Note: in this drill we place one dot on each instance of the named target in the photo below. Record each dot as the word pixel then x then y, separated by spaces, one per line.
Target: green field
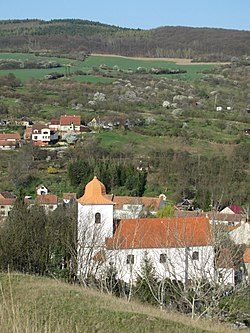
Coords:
pixel 86 66
pixel 33 304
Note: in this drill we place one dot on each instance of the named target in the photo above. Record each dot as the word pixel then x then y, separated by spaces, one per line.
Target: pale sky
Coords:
pixel 145 14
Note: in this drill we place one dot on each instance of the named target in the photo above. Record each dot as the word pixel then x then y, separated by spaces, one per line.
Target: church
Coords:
pixel 180 248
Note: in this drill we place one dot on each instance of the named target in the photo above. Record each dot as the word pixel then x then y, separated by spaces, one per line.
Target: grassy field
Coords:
pixel 86 66
pixel 34 304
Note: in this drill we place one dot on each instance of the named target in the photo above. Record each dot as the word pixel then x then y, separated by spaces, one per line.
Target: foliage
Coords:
pixel 146 286
pixel 166 211
pixel 34 242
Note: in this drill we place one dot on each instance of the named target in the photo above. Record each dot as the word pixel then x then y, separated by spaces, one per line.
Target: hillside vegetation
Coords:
pixel 79 37
pixel 34 304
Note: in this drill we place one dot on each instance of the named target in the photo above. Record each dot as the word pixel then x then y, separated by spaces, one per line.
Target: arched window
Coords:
pixel 97 218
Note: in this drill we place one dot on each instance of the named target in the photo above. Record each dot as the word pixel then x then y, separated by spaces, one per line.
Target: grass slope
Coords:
pixel 34 304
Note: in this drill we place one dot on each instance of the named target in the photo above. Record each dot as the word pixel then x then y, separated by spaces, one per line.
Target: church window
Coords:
pixel 130 259
pixel 195 255
pixel 163 258
pixel 97 218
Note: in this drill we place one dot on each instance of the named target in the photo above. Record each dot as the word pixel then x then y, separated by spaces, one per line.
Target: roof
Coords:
pixel 46 199
pixel 7 202
pixel 55 122
pixel 69 196
pixel 10 136
pixel 7 195
pixel 246 255
pixel 39 128
pixel 68 120
pixel 5 143
pixel 236 209
pixel 161 233
pixel 152 204
pixel 212 216
pixel 95 194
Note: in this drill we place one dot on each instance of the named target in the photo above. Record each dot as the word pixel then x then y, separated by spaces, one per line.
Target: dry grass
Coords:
pixel 178 61
pixel 32 305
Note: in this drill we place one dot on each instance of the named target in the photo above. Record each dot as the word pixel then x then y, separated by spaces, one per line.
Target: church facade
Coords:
pixel 180 248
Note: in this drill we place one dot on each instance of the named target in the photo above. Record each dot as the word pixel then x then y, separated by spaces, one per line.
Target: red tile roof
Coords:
pixel 69 196
pixel 68 120
pixel 46 199
pixel 246 255
pixel 7 202
pixel 161 233
pixel 55 122
pixel 152 204
pixel 10 136
pixel 6 143
pixel 236 209
pixel 211 215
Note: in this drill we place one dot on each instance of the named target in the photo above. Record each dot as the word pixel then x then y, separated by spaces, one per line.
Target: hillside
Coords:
pixel 34 304
pixel 74 36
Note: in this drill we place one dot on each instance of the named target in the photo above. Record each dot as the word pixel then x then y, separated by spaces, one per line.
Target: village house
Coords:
pixel 42 135
pixel 180 248
pixel 48 201
pixel 41 189
pixel 215 218
pixel 70 123
pixel 9 141
pixel 7 201
pixel 126 207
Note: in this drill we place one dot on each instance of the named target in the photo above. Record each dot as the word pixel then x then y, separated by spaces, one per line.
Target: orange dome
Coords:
pixel 94 194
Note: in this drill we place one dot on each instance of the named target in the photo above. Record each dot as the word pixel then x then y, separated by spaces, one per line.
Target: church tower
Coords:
pixel 95 223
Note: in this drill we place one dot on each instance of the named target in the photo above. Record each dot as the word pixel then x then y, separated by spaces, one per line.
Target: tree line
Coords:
pixel 181 42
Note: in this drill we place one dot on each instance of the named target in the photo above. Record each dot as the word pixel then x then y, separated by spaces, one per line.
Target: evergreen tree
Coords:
pixel 146 287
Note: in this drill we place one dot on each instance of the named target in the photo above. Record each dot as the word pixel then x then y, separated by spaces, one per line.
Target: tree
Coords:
pixel 146 286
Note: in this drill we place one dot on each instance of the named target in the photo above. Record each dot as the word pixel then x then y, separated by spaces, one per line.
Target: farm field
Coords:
pixel 193 70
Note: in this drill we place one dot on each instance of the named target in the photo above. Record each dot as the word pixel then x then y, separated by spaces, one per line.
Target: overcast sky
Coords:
pixel 144 14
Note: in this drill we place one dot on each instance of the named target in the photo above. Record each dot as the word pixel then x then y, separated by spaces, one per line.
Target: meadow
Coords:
pixel 33 304
pixel 193 70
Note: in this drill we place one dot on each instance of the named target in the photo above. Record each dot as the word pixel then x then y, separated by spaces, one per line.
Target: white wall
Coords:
pixel 179 264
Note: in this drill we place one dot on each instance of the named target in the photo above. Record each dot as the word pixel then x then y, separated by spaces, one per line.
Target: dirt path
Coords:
pixel 178 61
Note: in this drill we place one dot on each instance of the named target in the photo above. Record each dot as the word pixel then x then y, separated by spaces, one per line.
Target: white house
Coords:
pixel 41 189
pixel 42 135
pixel 181 248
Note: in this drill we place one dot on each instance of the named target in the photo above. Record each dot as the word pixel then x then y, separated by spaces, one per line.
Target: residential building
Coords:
pixel 9 141
pixel 48 201
pixel 42 135
pixel 70 123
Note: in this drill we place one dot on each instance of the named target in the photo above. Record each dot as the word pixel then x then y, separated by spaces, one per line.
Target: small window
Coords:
pixel 2 212
pixel 195 255
pixel 163 258
pixel 130 259
pixel 51 206
pixel 97 218
pixel 35 137
pixel 2 207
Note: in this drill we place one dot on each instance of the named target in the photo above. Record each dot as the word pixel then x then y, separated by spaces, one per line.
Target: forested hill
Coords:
pixel 69 35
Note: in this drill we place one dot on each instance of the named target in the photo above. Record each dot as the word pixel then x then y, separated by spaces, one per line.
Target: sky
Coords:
pixel 144 14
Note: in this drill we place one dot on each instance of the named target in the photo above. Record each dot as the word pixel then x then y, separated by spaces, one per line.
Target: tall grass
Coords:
pixel 33 305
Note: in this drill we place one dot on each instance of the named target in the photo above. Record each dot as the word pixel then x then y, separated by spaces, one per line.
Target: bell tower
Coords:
pixel 95 222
